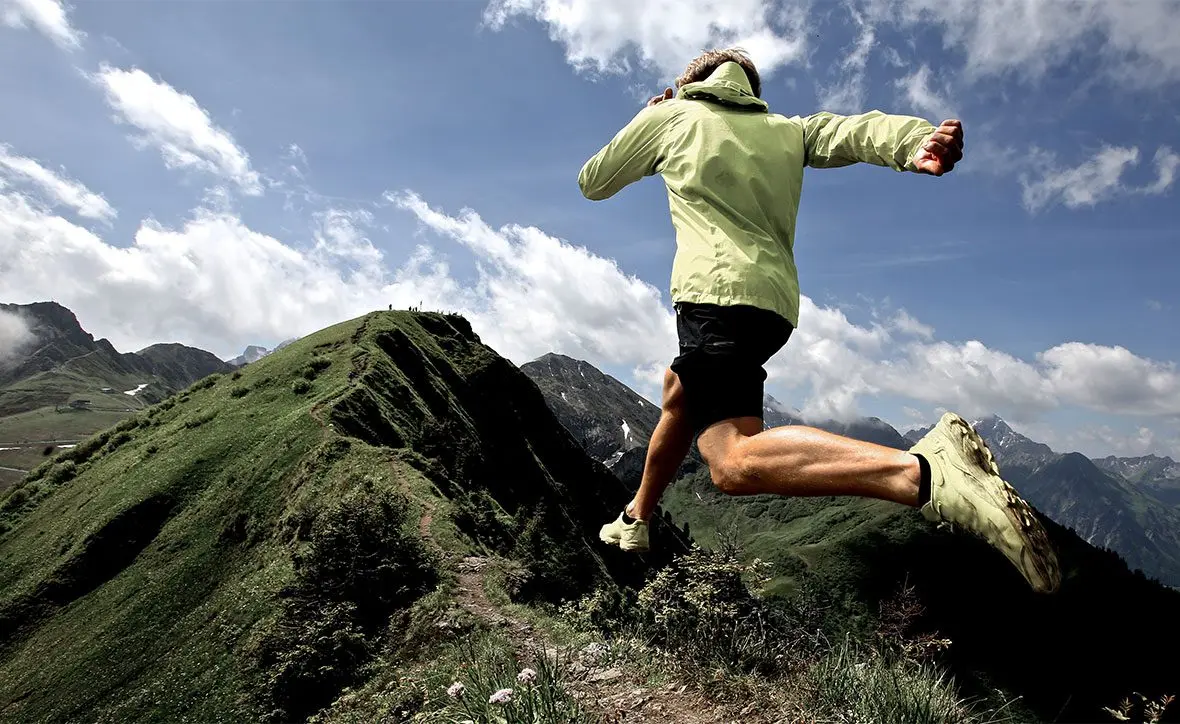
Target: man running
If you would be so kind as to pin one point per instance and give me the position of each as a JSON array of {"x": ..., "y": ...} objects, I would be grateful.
[{"x": 734, "y": 172}]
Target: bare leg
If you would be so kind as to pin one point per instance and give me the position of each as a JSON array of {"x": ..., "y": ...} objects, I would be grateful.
[
  {"x": 796, "y": 460},
  {"x": 669, "y": 445}
]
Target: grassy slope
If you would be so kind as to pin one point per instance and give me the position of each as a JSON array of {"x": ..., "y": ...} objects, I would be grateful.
[
  {"x": 136, "y": 590},
  {"x": 150, "y": 623}
]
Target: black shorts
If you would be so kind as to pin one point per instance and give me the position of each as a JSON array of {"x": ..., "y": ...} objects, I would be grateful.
[{"x": 722, "y": 353}]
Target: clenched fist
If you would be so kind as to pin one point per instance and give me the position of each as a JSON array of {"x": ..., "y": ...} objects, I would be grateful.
[{"x": 942, "y": 150}]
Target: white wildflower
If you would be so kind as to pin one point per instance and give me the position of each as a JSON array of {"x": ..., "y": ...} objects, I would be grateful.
[
  {"x": 455, "y": 690},
  {"x": 503, "y": 696},
  {"x": 527, "y": 676}
]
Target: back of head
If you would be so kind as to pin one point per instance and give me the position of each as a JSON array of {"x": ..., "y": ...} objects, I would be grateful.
[{"x": 703, "y": 66}]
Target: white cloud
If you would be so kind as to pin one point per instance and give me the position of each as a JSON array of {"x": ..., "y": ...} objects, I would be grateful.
[
  {"x": 1112, "y": 379},
  {"x": 174, "y": 123},
  {"x": 1137, "y": 42},
  {"x": 836, "y": 363},
  {"x": 920, "y": 93},
  {"x": 14, "y": 335},
  {"x": 1166, "y": 162},
  {"x": 848, "y": 94},
  {"x": 537, "y": 294},
  {"x": 47, "y": 16},
  {"x": 57, "y": 189},
  {"x": 215, "y": 283},
  {"x": 606, "y": 36},
  {"x": 1094, "y": 180}
]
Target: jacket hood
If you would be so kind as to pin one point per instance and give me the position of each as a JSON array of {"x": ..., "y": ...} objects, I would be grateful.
[{"x": 727, "y": 85}]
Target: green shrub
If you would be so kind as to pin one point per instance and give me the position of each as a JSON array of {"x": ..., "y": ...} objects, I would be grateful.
[
  {"x": 553, "y": 573},
  {"x": 239, "y": 392},
  {"x": 701, "y": 607},
  {"x": 607, "y": 609},
  {"x": 474, "y": 514},
  {"x": 15, "y": 498},
  {"x": 117, "y": 441},
  {"x": 39, "y": 472},
  {"x": 62, "y": 473},
  {"x": 237, "y": 375},
  {"x": 361, "y": 564},
  {"x": 200, "y": 419},
  {"x": 205, "y": 383},
  {"x": 84, "y": 450},
  {"x": 301, "y": 387},
  {"x": 319, "y": 364}
]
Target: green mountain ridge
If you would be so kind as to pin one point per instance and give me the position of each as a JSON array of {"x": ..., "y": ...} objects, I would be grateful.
[{"x": 199, "y": 562}]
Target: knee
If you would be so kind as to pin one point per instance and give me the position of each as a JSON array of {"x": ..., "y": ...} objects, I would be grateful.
[{"x": 732, "y": 472}]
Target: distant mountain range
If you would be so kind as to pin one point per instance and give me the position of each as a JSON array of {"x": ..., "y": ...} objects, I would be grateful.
[
  {"x": 63, "y": 362},
  {"x": 1124, "y": 504}
]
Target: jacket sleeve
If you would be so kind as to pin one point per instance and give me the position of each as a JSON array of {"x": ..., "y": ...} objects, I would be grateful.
[
  {"x": 635, "y": 152},
  {"x": 830, "y": 140}
]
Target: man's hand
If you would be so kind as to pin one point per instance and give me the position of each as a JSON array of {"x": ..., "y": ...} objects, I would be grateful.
[
  {"x": 667, "y": 96},
  {"x": 942, "y": 150}
]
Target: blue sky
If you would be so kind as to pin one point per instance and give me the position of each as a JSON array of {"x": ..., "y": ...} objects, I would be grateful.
[{"x": 223, "y": 174}]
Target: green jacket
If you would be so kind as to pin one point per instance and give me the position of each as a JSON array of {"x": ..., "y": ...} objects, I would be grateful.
[{"x": 734, "y": 172}]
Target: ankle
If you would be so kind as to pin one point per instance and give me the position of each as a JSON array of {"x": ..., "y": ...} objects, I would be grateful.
[{"x": 629, "y": 512}]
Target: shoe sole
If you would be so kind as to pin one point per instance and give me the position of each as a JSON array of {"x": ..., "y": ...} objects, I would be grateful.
[{"x": 1042, "y": 557}]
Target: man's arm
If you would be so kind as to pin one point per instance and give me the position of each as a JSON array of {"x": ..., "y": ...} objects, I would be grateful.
[
  {"x": 633, "y": 153},
  {"x": 903, "y": 143}
]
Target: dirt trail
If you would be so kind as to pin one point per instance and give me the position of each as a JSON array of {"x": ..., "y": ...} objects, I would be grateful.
[{"x": 609, "y": 692}]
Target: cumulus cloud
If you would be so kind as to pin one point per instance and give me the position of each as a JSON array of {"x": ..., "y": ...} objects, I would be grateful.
[
  {"x": 175, "y": 124},
  {"x": 56, "y": 190},
  {"x": 1112, "y": 379},
  {"x": 15, "y": 335},
  {"x": 48, "y": 17},
  {"x": 216, "y": 283},
  {"x": 537, "y": 293},
  {"x": 611, "y": 36},
  {"x": 1138, "y": 42}
]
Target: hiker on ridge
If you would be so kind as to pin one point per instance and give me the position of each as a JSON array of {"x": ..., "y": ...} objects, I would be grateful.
[{"x": 734, "y": 172}]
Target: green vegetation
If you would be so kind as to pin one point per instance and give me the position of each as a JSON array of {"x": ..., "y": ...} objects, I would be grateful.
[
  {"x": 389, "y": 509},
  {"x": 198, "y": 561}
]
